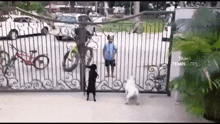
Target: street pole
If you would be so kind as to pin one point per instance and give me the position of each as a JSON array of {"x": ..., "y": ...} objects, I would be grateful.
[
  {"x": 181, "y": 4},
  {"x": 105, "y": 9},
  {"x": 136, "y": 19},
  {"x": 50, "y": 7},
  {"x": 218, "y": 4},
  {"x": 96, "y": 6},
  {"x": 208, "y": 3},
  {"x": 130, "y": 7},
  {"x": 136, "y": 9}
]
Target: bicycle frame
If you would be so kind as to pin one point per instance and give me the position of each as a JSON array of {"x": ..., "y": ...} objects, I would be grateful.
[{"x": 23, "y": 55}]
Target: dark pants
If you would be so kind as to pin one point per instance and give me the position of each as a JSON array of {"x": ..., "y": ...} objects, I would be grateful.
[{"x": 110, "y": 62}]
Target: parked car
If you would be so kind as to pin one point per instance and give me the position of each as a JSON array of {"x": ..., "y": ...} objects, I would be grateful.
[
  {"x": 65, "y": 30},
  {"x": 96, "y": 17},
  {"x": 19, "y": 25}
]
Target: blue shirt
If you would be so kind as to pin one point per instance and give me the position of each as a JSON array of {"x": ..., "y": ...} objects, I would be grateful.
[{"x": 110, "y": 50}]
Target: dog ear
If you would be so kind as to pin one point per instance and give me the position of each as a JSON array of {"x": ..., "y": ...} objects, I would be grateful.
[{"x": 95, "y": 67}]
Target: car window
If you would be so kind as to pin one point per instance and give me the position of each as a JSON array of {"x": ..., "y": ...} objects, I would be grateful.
[
  {"x": 17, "y": 19},
  {"x": 28, "y": 19},
  {"x": 33, "y": 21},
  {"x": 2, "y": 19},
  {"x": 84, "y": 19},
  {"x": 66, "y": 18},
  {"x": 23, "y": 20}
]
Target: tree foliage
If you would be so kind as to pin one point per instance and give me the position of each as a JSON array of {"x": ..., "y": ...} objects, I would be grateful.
[{"x": 30, "y": 6}]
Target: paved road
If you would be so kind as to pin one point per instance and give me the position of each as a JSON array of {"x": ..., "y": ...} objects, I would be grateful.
[{"x": 73, "y": 107}]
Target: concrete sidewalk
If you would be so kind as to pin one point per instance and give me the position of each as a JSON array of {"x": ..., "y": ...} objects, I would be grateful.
[{"x": 73, "y": 107}]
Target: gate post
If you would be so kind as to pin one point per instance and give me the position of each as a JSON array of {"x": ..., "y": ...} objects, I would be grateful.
[
  {"x": 170, "y": 54},
  {"x": 82, "y": 37}
]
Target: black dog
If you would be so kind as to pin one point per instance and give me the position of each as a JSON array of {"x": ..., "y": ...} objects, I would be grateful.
[{"x": 92, "y": 79}]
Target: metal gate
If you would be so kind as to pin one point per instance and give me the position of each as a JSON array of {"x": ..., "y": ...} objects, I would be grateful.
[{"x": 143, "y": 50}]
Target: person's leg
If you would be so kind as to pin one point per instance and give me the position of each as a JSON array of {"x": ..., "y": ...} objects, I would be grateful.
[
  {"x": 107, "y": 66},
  {"x": 112, "y": 67}
]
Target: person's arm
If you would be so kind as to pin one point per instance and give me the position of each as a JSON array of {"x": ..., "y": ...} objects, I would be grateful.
[
  {"x": 88, "y": 66},
  {"x": 104, "y": 52},
  {"x": 115, "y": 49}
]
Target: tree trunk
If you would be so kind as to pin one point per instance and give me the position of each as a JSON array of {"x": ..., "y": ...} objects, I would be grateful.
[
  {"x": 96, "y": 6},
  {"x": 218, "y": 4},
  {"x": 136, "y": 9},
  {"x": 208, "y": 4},
  {"x": 181, "y": 4}
]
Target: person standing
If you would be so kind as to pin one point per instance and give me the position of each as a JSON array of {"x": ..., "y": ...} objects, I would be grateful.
[{"x": 109, "y": 52}]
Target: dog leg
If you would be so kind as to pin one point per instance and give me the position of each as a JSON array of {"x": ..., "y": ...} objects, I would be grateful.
[
  {"x": 137, "y": 101},
  {"x": 126, "y": 92},
  {"x": 87, "y": 96},
  {"x": 127, "y": 101},
  {"x": 137, "y": 98},
  {"x": 94, "y": 97}
]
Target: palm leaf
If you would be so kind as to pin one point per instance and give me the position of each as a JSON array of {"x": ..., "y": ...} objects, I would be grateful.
[
  {"x": 217, "y": 44},
  {"x": 214, "y": 84}
]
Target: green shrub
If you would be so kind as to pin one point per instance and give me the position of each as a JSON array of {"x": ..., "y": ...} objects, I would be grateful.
[
  {"x": 127, "y": 26},
  {"x": 201, "y": 45},
  {"x": 154, "y": 26}
]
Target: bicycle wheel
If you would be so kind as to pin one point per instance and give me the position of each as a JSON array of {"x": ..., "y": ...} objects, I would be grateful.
[
  {"x": 41, "y": 62},
  {"x": 70, "y": 62},
  {"x": 4, "y": 58},
  {"x": 10, "y": 65},
  {"x": 88, "y": 56},
  {"x": 6, "y": 68}
]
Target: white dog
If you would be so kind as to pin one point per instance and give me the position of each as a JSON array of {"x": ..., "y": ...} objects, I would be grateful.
[{"x": 131, "y": 90}]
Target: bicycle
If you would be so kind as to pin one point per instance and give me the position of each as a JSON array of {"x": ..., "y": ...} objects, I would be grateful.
[
  {"x": 72, "y": 56},
  {"x": 40, "y": 62}
]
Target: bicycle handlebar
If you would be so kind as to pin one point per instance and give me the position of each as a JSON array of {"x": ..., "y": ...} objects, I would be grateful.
[{"x": 13, "y": 47}]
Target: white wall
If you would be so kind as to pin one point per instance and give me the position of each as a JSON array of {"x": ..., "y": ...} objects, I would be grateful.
[
  {"x": 184, "y": 13},
  {"x": 187, "y": 13}
]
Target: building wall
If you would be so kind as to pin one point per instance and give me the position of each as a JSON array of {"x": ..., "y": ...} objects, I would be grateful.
[
  {"x": 60, "y": 2},
  {"x": 187, "y": 13},
  {"x": 85, "y": 3}
]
